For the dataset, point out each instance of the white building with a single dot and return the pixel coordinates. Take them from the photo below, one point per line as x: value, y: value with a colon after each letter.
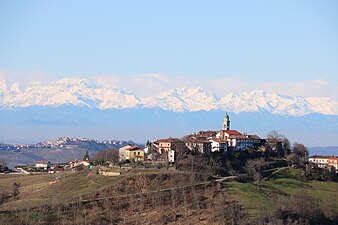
x: 42, y: 165
x: 171, y: 156
x: 75, y: 163
x: 122, y: 152
x: 320, y: 161
x: 324, y: 161
x: 218, y: 145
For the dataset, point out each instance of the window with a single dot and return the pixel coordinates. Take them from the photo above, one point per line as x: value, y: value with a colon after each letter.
x: 138, y: 153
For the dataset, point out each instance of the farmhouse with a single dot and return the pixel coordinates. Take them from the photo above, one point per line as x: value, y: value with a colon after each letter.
x: 122, y: 152
x: 324, y: 161
x: 320, y: 161
x: 134, y: 153
x: 42, y: 165
x: 76, y: 163
x: 167, y: 144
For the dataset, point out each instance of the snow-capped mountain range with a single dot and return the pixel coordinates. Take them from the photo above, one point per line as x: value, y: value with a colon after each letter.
x: 82, y: 92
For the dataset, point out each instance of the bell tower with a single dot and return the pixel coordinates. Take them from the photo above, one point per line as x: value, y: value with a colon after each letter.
x: 226, y: 122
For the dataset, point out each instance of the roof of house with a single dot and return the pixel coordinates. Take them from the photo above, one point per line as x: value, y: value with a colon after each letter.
x: 218, y: 140
x: 254, y: 136
x: 240, y: 136
x: 232, y: 132
x: 133, y: 148
x: 124, y: 147
x: 323, y: 157
x: 197, y: 141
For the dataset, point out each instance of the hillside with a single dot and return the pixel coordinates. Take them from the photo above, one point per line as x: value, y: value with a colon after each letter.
x: 258, y: 199
x: 158, y: 196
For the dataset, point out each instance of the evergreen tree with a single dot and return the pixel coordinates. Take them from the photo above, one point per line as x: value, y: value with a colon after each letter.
x: 86, y: 156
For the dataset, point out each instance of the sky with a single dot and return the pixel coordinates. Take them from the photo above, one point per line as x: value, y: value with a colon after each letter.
x: 290, y: 47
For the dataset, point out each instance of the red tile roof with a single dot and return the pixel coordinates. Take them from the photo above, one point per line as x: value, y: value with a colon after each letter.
x: 232, y: 132
x: 324, y: 157
x: 253, y: 136
x: 238, y: 137
x: 133, y: 148
x: 218, y: 140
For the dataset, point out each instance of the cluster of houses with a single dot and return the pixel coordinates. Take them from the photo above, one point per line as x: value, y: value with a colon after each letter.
x: 206, y: 142
x: 46, y: 166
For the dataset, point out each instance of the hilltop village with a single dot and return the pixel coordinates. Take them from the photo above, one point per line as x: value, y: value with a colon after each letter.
x: 226, y: 145
x: 207, y: 177
x: 204, y: 142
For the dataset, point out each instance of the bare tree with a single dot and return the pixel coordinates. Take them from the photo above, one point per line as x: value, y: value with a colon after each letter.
x: 300, y: 153
x: 103, y: 156
x: 254, y: 167
x: 280, y: 137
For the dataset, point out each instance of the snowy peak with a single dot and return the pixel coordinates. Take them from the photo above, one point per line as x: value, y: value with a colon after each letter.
x: 187, y: 99
x: 73, y: 91
x: 3, y: 86
x: 269, y: 102
x: 88, y: 93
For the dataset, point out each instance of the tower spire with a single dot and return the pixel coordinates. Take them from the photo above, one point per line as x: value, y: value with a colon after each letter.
x: 226, y: 122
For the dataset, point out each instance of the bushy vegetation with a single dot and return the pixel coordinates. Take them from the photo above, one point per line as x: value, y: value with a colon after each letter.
x: 285, y: 196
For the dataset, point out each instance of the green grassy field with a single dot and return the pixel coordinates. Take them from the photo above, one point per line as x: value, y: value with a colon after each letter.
x: 37, y: 190
x: 256, y: 198
x: 260, y: 198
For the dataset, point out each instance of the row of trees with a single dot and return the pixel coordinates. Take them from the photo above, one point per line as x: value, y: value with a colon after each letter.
x: 104, y: 156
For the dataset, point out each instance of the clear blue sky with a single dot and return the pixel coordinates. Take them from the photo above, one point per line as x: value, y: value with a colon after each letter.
x: 262, y: 40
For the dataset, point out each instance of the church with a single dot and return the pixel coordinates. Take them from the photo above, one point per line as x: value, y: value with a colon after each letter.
x: 235, y: 139
x: 226, y: 122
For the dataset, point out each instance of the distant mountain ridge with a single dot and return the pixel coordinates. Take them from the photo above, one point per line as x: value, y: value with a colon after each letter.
x: 84, y: 93
x: 329, y: 150
x: 32, y: 124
